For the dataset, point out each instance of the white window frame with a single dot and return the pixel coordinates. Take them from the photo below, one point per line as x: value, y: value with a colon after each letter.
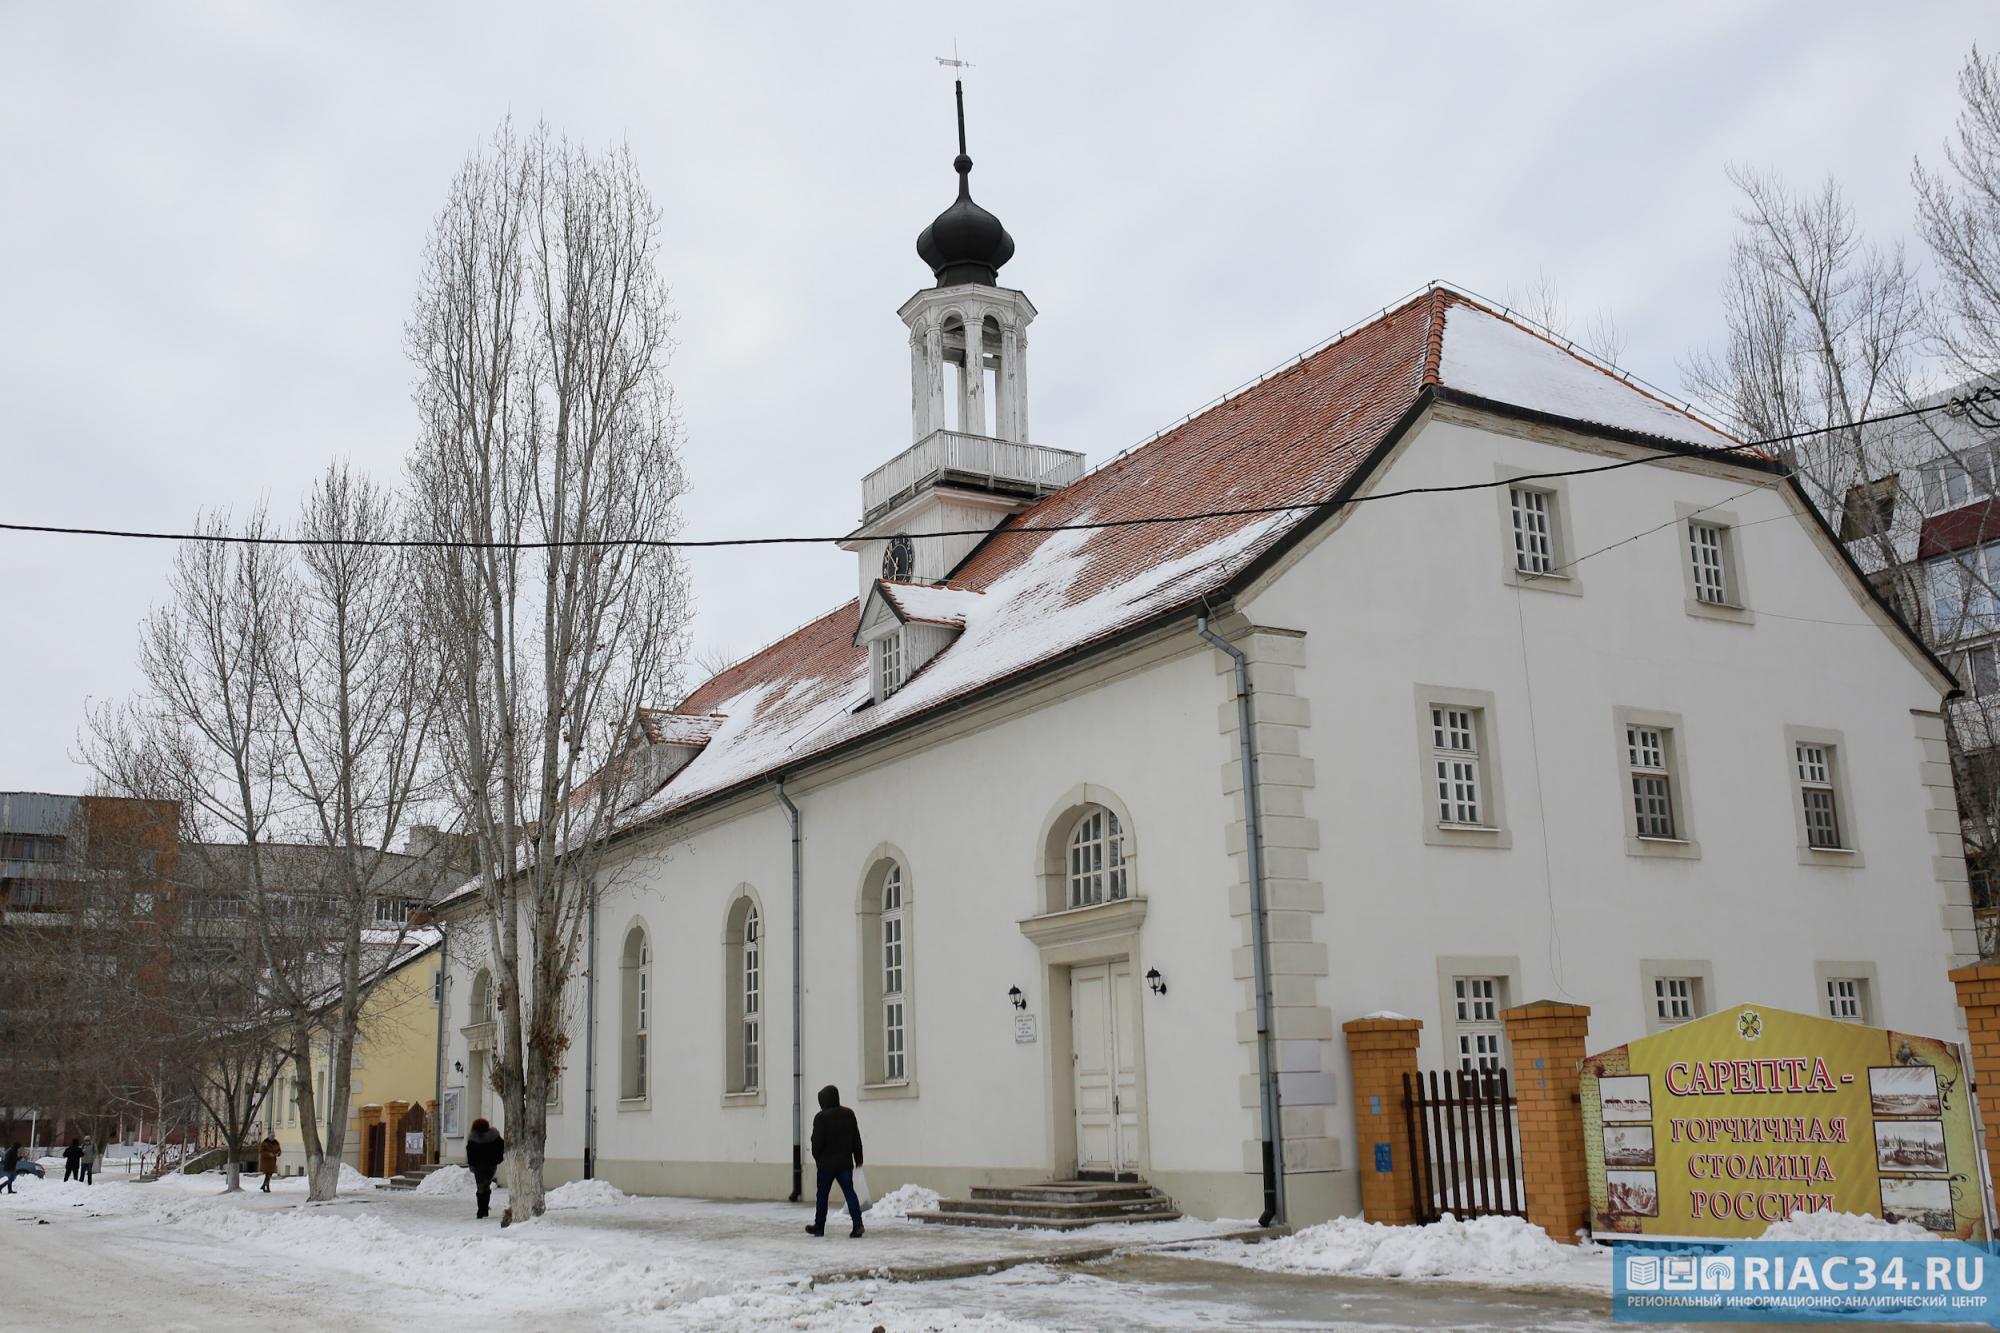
x: 1698, y: 975
x: 1829, y: 973
x: 1479, y: 1037
x: 744, y: 1049
x: 1981, y: 683
x: 1673, y: 768
x: 891, y: 663
x: 1455, y: 766
x: 1094, y: 859
x: 1451, y: 969
x: 1492, y: 830
x: 1726, y: 527
x: 1554, y: 493
x: 1804, y: 773
x: 895, y: 1031
x: 752, y: 1028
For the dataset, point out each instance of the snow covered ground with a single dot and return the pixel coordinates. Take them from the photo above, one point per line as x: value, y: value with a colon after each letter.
x: 181, y: 1255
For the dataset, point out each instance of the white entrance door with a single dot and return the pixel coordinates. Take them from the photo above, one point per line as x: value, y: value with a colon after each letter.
x: 1105, y: 1054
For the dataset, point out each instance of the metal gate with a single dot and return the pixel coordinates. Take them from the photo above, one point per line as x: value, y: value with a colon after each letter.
x: 1465, y: 1158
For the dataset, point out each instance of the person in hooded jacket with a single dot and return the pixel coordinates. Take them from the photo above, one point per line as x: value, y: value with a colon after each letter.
x: 836, y: 1150
x: 8, y: 1166
x: 72, y: 1156
x: 484, y: 1151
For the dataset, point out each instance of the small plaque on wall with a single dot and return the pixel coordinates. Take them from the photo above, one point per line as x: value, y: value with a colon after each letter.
x: 1024, y: 1027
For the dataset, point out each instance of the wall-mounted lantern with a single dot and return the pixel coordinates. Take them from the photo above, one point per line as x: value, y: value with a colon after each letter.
x: 1156, y: 981
x: 1014, y: 994
x: 459, y: 1065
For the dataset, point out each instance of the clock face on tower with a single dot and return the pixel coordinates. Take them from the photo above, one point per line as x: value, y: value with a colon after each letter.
x: 899, y: 559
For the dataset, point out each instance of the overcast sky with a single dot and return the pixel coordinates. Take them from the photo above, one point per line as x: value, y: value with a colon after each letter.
x: 213, y: 214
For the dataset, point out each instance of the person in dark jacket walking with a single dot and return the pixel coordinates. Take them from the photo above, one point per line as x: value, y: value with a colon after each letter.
x: 484, y: 1151
x: 8, y: 1166
x: 72, y: 1159
x: 836, y: 1149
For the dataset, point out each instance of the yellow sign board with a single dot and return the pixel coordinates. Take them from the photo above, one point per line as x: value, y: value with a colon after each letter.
x: 1723, y: 1125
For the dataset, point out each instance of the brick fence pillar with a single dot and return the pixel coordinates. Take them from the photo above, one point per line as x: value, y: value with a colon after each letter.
x: 1979, y: 995
x: 1382, y: 1050
x: 1548, y: 1041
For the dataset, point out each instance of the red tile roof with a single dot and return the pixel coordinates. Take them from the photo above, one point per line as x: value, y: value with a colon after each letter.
x: 1293, y: 439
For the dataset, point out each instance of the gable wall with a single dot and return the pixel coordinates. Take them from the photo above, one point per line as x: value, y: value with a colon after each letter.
x: 1411, y: 590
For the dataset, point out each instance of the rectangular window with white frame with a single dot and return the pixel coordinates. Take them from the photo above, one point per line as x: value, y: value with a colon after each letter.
x: 1675, y: 990
x: 1712, y: 564
x: 1536, y: 542
x: 1478, y: 1034
x: 1652, y: 763
x: 1847, y: 999
x: 1461, y: 786
x: 1674, y: 999
x: 1822, y: 811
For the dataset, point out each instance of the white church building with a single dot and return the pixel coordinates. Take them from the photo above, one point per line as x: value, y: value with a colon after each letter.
x: 1602, y: 713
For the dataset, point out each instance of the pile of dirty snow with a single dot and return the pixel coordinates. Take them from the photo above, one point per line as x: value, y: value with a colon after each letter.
x: 350, y: 1179
x: 449, y: 1180
x: 1484, y: 1247
x: 583, y: 1194
x: 899, y: 1203
x: 1843, y: 1226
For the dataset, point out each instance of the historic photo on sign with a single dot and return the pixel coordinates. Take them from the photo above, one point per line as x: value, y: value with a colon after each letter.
x: 1628, y: 1145
x: 1905, y: 1090
x: 1626, y: 1097
x: 1909, y: 1145
x: 1633, y: 1192
x: 1925, y: 1202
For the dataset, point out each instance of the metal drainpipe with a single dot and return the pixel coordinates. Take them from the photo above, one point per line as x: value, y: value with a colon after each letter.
x: 590, y: 1044
x: 444, y: 985
x: 1260, y: 949
x: 798, y: 995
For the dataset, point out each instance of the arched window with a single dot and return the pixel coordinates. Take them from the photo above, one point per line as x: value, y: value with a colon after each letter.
x: 484, y: 1008
x: 892, y: 975
x: 885, y: 973
x: 743, y: 1038
x: 637, y: 1013
x: 1096, y: 859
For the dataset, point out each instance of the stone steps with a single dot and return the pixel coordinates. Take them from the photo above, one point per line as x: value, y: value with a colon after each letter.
x: 412, y: 1178
x: 1066, y: 1205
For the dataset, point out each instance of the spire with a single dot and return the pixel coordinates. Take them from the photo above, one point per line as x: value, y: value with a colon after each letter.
x: 965, y: 243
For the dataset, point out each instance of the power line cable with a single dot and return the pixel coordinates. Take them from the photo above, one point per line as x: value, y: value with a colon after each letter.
x: 1954, y: 405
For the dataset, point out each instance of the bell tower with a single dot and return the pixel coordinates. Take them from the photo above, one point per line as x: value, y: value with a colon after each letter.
x: 970, y: 463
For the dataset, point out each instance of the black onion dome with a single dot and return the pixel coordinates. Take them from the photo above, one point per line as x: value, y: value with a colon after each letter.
x: 965, y: 243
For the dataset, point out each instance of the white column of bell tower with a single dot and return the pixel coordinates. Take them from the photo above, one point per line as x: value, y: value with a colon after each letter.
x: 949, y: 323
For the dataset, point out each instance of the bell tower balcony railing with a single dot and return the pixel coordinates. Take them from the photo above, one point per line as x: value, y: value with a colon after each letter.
x: 980, y: 462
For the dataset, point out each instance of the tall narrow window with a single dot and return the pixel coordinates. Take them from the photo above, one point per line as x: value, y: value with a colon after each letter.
x: 1652, y: 795
x: 890, y: 663
x: 1476, y: 1005
x: 637, y: 1014
x: 1534, y: 530
x: 1455, y: 757
x: 892, y: 976
x: 1706, y: 549
x: 1096, y: 859
x: 753, y: 983
x: 1816, y: 792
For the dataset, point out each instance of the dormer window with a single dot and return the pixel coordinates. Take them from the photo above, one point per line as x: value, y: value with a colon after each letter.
x: 890, y: 664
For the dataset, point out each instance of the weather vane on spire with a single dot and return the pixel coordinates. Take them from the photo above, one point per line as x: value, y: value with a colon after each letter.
x: 952, y: 60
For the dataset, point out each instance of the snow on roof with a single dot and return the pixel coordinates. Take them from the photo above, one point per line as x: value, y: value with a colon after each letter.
x: 1027, y: 598
x: 667, y: 727
x: 935, y: 605
x: 1492, y: 357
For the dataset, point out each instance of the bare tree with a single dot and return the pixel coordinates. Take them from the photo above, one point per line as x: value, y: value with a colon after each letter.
x: 1822, y: 331
x: 1958, y: 216
x: 549, y: 442
x: 1543, y: 303
x: 284, y: 700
